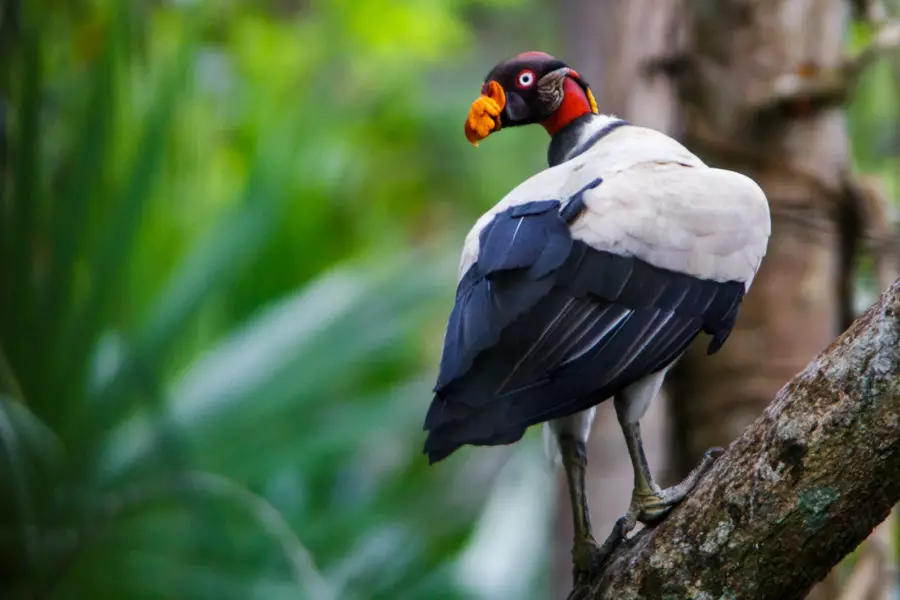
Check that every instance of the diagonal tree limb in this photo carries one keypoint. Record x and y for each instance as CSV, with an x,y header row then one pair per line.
x,y
800,489
802,90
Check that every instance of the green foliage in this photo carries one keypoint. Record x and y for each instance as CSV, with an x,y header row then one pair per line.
x,y
875,115
229,239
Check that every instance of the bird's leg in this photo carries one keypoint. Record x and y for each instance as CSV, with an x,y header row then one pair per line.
x,y
649,503
587,555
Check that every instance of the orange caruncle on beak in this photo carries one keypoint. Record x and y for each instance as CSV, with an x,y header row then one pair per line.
x,y
484,116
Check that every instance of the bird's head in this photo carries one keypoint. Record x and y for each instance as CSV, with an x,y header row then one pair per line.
x,y
532,87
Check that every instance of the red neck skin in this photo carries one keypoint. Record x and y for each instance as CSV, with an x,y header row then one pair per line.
x,y
575,104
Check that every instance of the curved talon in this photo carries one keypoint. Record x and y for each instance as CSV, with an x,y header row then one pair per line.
x,y
620,530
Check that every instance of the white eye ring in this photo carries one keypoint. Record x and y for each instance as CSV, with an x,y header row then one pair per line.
x,y
525,79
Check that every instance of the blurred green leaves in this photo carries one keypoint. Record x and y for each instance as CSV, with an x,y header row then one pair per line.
x,y
229,244
875,145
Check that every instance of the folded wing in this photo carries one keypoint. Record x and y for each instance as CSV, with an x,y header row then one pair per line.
x,y
546,324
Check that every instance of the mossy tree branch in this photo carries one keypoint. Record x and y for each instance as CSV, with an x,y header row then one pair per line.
x,y
799,490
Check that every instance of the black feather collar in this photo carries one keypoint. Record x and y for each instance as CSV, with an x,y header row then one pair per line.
x,y
567,144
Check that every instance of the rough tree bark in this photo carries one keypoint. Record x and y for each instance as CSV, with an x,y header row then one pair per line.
x,y
803,485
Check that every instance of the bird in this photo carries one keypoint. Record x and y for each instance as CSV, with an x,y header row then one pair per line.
x,y
587,282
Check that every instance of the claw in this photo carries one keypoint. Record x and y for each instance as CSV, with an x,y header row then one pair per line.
x,y
588,559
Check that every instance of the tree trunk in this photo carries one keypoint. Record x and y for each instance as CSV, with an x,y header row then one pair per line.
x,y
719,75
739,50
741,55
803,485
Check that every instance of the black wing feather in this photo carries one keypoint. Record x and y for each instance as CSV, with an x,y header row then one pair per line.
x,y
545,326
519,251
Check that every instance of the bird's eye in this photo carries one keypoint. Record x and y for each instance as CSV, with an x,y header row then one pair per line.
x,y
525,79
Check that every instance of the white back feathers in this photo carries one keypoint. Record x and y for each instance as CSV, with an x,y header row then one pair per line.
x,y
657,202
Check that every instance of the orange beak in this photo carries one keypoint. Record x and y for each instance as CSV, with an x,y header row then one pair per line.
x,y
484,116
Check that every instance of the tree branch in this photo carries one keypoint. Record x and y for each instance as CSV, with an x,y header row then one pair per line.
x,y
801,488
811,88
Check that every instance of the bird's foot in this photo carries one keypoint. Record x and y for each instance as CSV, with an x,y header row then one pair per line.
x,y
651,506
647,507
588,559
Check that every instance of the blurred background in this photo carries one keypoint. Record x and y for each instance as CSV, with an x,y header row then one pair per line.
x,y
229,237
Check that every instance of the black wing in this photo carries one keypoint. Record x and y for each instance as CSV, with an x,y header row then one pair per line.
x,y
545,326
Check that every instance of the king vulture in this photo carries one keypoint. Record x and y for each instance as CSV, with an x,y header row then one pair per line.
x,y
586,282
